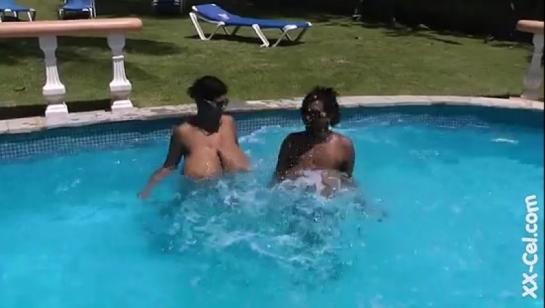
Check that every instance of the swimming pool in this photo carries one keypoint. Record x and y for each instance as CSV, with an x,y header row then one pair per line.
x,y
444,212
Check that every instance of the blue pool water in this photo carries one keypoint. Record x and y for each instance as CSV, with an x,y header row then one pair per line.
x,y
437,221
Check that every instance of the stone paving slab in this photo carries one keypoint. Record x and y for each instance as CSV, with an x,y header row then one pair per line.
x,y
3,127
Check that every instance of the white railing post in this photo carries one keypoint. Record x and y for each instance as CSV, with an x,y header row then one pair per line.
x,y
534,76
48,31
53,90
120,87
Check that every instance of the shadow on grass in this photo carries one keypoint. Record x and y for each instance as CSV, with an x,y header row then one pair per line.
x,y
16,51
75,15
124,8
39,110
516,40
246,39
398,30
426,35
244,8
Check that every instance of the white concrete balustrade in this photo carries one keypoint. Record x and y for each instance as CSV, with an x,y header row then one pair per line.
x,y
47,32
534,76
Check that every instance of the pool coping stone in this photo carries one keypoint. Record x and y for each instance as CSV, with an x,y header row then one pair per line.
x,y
33,124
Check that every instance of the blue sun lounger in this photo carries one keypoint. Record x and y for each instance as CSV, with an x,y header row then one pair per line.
x,y
13,9
78,6
214,14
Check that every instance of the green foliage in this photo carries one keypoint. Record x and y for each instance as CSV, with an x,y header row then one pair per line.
x,y
497,17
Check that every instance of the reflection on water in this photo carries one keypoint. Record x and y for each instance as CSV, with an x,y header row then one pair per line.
x,y
241,219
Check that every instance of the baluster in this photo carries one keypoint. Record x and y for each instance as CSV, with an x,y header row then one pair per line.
x,y
53,90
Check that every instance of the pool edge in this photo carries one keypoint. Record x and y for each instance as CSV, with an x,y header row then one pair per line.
x,y
33,124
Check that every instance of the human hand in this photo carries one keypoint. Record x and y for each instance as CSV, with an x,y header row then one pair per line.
x,y
144,194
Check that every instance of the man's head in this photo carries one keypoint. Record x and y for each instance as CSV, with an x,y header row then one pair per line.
x,y
209,93
320,109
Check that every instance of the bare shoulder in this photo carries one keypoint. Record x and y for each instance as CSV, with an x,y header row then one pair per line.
x,y
182,130
342,140
294,137
228,119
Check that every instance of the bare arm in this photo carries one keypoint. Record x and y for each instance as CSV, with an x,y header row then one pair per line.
x,y
233,127
348,167
176,151
349,157
284,160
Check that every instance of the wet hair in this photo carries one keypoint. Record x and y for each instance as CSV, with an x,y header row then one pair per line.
x,y
207,87
328,96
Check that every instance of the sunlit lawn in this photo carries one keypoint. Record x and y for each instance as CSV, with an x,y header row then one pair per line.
x,y
165,57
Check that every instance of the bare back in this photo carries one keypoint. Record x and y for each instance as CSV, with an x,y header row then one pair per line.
x,y
207,154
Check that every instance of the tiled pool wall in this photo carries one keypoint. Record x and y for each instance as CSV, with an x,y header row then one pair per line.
x,y
139,132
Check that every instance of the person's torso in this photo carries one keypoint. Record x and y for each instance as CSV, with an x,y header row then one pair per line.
x,y
321,156
208,154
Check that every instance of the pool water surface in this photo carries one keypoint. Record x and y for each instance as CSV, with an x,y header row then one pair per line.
x,y
436,221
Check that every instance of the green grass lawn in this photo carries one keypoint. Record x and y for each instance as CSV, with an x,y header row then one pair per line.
x,y
163,59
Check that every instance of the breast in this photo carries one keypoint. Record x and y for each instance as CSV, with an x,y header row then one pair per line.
x,y
202,163
320,157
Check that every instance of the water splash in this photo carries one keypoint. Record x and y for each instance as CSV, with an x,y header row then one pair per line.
x,y
239,218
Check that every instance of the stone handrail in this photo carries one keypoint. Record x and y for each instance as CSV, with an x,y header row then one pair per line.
x,y
534,75
47,31
530,26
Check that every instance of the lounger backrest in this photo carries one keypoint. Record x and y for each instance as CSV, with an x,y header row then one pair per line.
x,y
83,3
7,2
213,12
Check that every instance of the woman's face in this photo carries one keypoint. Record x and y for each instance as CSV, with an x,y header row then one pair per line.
x,y
216,105
219,102
315,117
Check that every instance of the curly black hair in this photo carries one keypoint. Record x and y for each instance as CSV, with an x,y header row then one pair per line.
x,y
207,87
328,96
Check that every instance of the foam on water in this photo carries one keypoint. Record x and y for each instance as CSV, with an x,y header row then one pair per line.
x,y
290,228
